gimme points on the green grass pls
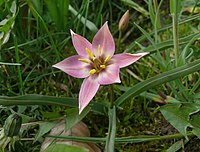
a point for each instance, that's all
(40, 37)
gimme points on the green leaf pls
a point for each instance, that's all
(196, 131)
(7, 24)
(177, 116)
(64, 148)
(195, 120)
(169, 43)
(176, 146)
(158, 80)
(44, 128)
(34, 99)
(36, 5)
(182, 116)
(183, 57)
(73, 116)
(147, 35)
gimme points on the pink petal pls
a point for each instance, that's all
(80, 44)
(104, 38)
(88, 90)
(74, 67)
(109, 75)
(125, 59)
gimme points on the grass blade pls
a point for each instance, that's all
(91, 26)
(136, 7)
(59, 12)
(5, 63)
(143, 37)
(21, 86)
(131, 139)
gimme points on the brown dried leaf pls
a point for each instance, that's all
(80, 129)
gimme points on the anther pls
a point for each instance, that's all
(84, 60)
(107, 58)
(93, 71)
(102, 66)
(89, 53)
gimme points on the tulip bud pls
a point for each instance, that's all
(12, 125)
(123, 23)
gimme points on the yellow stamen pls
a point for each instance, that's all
(99, 50)
(107, 58)
(90, 53)
(93, 71)
(84, 60)
(103, 66)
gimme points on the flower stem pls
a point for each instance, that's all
(119, 40)
(110, 140)
(111, 92)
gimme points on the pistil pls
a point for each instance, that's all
(97, 62)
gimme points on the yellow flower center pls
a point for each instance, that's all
(98, 63)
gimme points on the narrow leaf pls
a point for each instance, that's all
(34, 99)
(158, 80)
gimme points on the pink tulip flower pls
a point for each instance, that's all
(96, 63)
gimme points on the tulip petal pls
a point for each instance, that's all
(125, 59)
(74, 67)
(109, 75)
(80, 44)
(105, 39)
(88, 90)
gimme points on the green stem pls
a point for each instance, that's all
(111, 92)
(175, 37)
(119, 40)
(21, 86)
(110, 140)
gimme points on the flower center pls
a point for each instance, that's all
(98, 63)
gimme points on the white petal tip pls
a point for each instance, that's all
(72, 33)
(143, 53)
(54, 66)
(80, 110)
(118, 81)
